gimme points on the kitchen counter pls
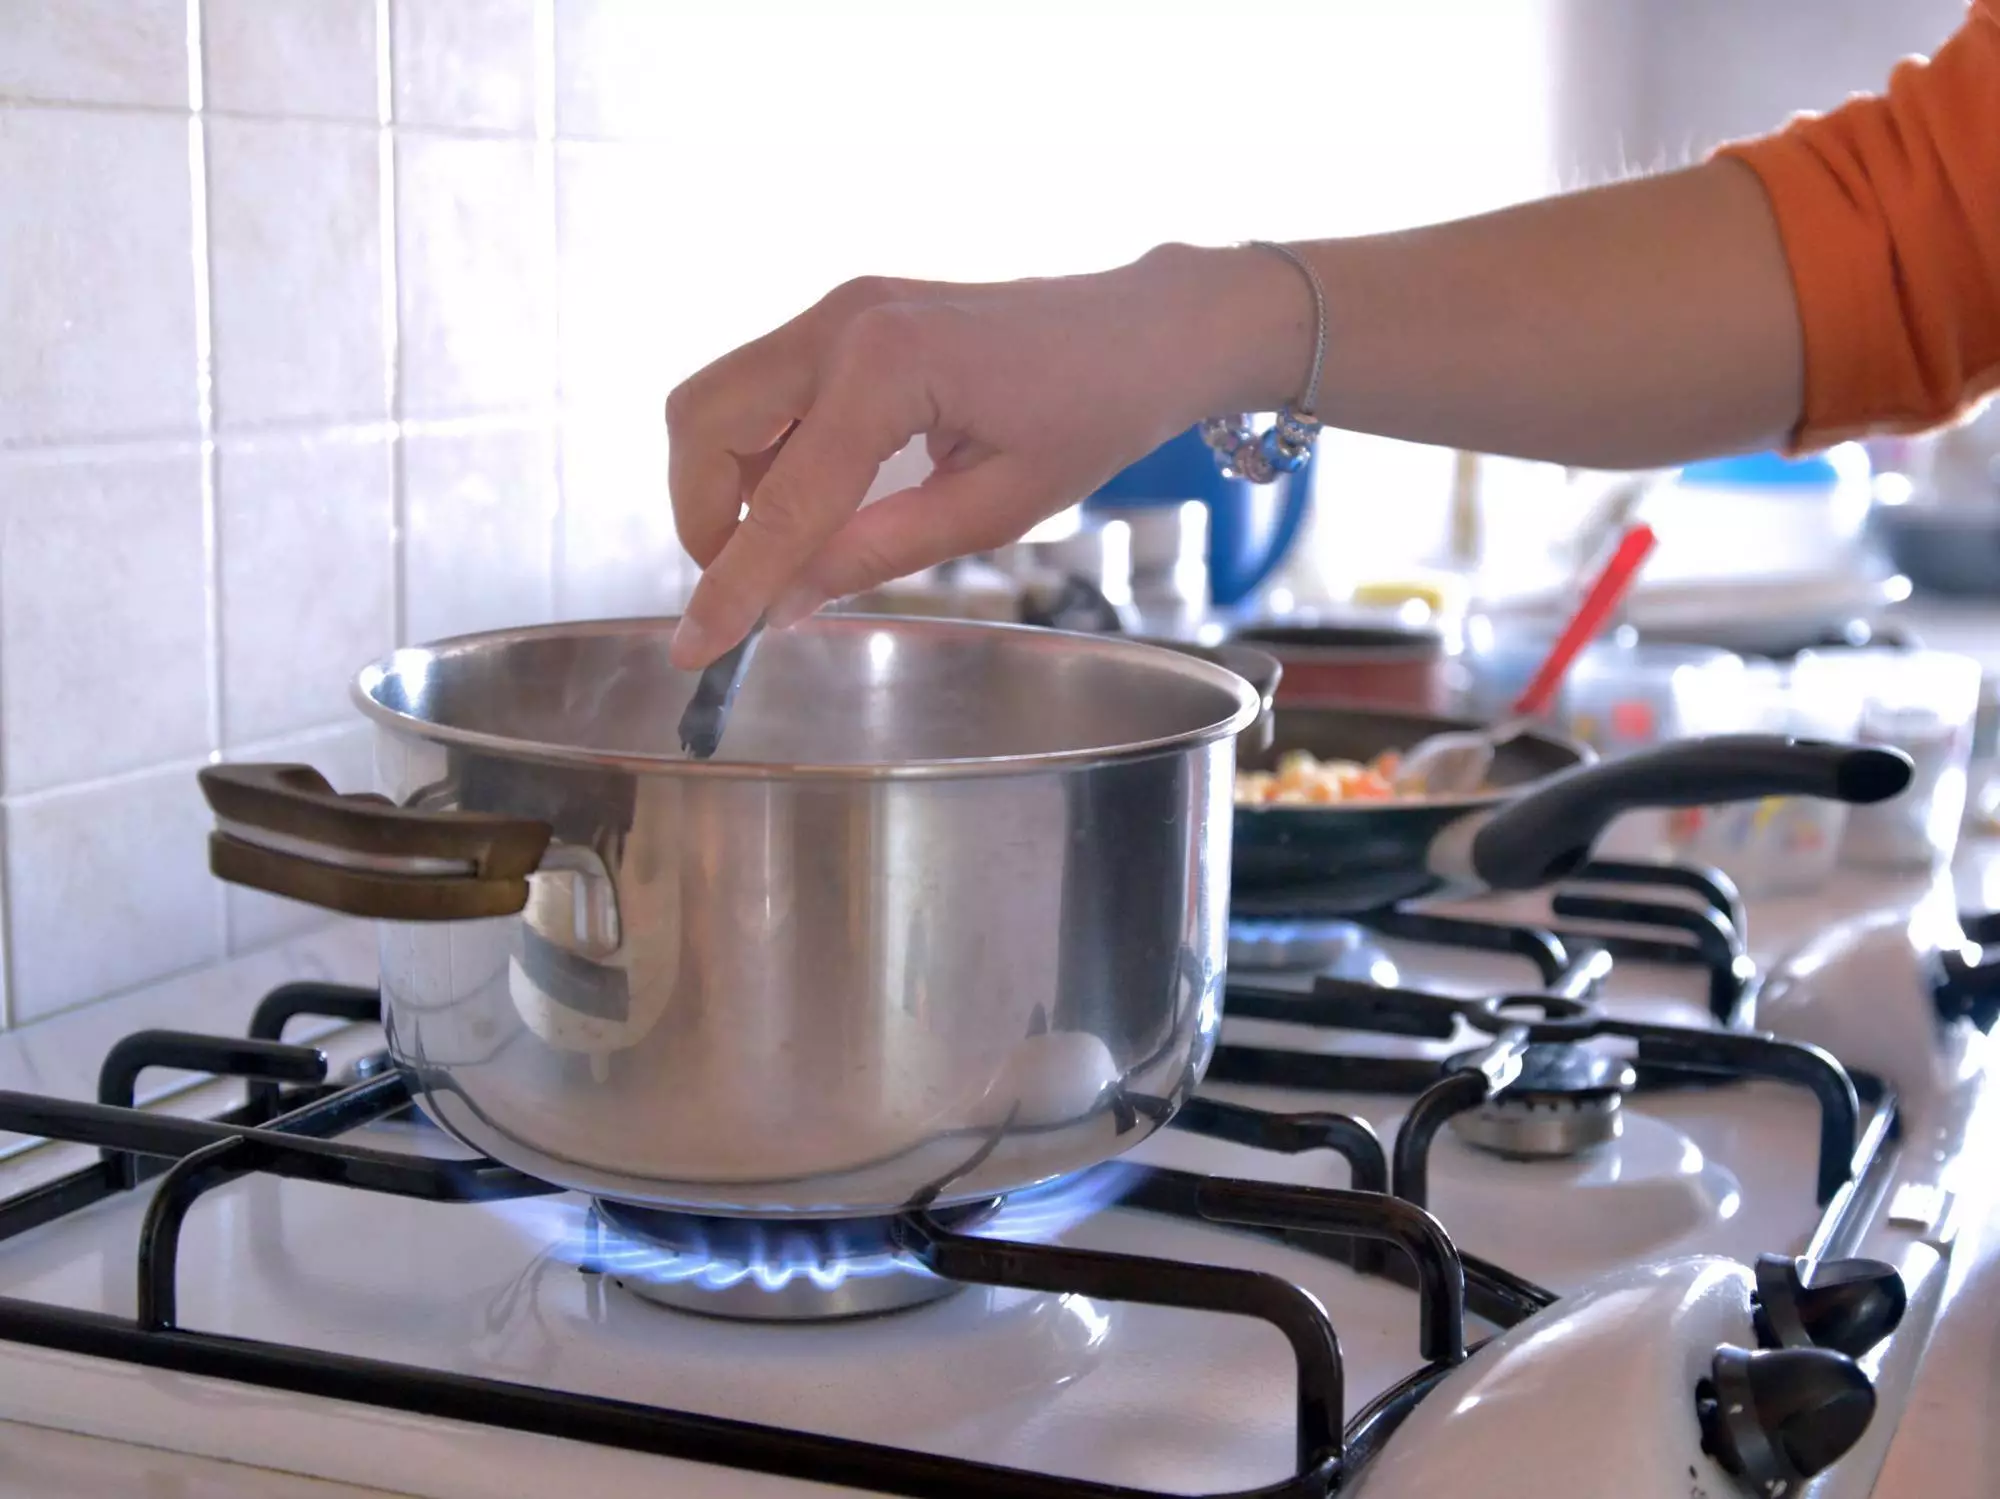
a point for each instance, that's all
(37, 1463)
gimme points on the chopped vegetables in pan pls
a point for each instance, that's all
(1303, 779)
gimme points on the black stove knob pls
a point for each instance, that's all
(1775, 1417)
(1965, 982)
(1849, 1305)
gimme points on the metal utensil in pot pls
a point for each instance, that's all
(707, 712)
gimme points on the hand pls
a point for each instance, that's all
(1029, 395)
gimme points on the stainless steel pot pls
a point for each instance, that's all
(945, 917)
(1260, 669)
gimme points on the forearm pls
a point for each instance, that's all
(1644, 323)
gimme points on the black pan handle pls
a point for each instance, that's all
(1549, 832)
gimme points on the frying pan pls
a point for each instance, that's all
(1549, 801)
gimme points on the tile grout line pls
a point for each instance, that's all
(392, 322)
(288, 742)
(204, 332)
(249, 433)
(271, 116)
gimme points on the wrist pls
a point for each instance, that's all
(1237, 327)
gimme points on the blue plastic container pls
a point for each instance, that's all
(1251, 527)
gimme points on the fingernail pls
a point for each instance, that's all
(689, 647)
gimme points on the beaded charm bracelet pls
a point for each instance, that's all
(1282, 448)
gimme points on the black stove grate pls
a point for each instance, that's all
(1695, 920)
(1565, 1013)
(286, 1128)
(288, 1124)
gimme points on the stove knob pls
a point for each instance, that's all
(1776, 1417)
(1849, 1306)
(1965, 981)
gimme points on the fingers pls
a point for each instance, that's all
(706, 485)
(873, 402)
(949, 515)
(724, 421)
(716, 435)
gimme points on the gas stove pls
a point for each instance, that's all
(1569, 1196)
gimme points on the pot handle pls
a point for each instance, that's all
(285, 830)
(1549, 832)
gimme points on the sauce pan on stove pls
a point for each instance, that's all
(1547, 803)
(944, 917)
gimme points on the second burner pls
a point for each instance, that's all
(1567, 1099)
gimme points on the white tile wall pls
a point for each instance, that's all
(468, 64)
(479, 529)
(304, 533)
(98, 293)
(328, 325)
(624, 327)
(309, 58)
(102, 889)
(295, 263)
(102, 614)
(616, 532)
(95, 51)
(612, 58)
(279, 393)
(474, 250)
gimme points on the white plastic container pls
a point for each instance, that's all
(1623, 695)
(1924, 703)
(1779, 845)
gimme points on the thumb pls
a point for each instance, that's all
(949, 515)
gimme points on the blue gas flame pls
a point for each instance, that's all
(1342, 948)
(775, 1255)
(1046, 1213)
(775, 1262)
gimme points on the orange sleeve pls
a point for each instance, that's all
(1889, 208)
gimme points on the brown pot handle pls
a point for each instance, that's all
(284, 829)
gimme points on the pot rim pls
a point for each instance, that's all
(1245, 712)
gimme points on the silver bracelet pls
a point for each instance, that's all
(1244, 454)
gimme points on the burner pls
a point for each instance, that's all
(1263, 945)
(1567, 1099)
(758, 1269)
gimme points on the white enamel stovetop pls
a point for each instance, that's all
(1111, 1392)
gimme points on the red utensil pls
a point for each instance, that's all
(1456, 763)
(1614, 580)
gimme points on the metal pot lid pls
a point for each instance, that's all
(842, 697)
